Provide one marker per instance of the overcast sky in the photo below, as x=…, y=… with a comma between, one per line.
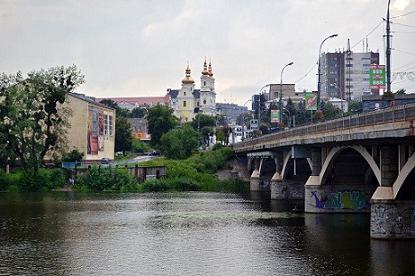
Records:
x=140, y=48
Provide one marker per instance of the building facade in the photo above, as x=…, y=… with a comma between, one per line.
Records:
x=231, y=112
x=92, y=128
x=132, y=102
x=188, y=101
x=139, y=128
x=345, y=75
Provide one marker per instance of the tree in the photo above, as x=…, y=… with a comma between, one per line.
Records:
x=123, y=138
x=160, y=120
x=73, y=156
x=401, y=92
x=203, y=120
x=331, y=112
x=33, y=116
x=118, y=110
x=137, y=112
x=355, y=107
x=179, y=143
x=205, y=133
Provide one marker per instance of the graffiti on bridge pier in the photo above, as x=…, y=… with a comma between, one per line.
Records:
x=341, y=200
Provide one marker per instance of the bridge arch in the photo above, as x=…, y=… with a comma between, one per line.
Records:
x=334, y=153
x=402, y=180
x=286, y=161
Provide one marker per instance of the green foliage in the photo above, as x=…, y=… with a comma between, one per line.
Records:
x=73, y=156
x=401, y=91
x=140, y=146
x=137, y=112
x=33, y=119
x=179, y=143
x=104, y=179
x=194, y=174
x=160, y=120
x=31, y=181
x=203, y=120
x=123, y=138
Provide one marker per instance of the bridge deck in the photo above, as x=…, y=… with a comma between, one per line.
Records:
x=397, y=121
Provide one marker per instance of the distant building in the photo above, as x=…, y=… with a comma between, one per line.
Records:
x=288, y=90
x=92, y=128
x=188, y=101
x=132, y=102
x=345, y=75
x=340, y=104
x=139, y=128
x=230, y=111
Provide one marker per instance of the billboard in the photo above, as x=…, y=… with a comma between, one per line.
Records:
x=377, y=77
x=275, y=116
x=95, y=131
x=310, y=99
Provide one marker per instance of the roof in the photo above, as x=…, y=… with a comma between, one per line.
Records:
x=90, y=100
x=173, y=93
x=138, y=101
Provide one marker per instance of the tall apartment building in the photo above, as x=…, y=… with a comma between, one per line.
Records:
x=345, y=75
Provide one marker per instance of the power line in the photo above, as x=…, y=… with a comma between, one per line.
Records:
x=410, y=63
x=369, y=33
x=405, y=52
x=405, y=14
x=404, y=25
x=306, y=74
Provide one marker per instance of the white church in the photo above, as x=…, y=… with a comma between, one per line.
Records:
x=187, y=102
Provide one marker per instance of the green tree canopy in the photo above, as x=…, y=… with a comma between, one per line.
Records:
x=203, y=120
x=123, y=138
x=179, y=143
x=33, y=117
x=160, y=120
x=137, y=112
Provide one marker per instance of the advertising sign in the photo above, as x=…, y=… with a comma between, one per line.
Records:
x=310, y=99
x=275, y=116
x=377, y=77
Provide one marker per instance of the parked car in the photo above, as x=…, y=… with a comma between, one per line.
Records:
x=105, y=161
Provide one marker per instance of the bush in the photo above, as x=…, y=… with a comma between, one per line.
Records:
x=179, y=143
x=105, y=179
x=140, y=146
x=9, y=180
x=45, y=179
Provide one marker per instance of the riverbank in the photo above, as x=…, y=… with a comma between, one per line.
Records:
x=197, y=173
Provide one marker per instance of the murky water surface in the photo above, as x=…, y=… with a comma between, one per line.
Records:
x=187, y=234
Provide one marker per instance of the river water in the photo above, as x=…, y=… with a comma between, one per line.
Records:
x=187, y=234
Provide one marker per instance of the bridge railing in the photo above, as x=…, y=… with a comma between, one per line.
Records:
x=387, y=115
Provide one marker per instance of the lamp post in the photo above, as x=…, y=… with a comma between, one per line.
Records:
x=388, y=50
x=243, y=120
x=319, y=69
x=280, y=101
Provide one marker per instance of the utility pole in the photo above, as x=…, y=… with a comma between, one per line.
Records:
x=388, y=50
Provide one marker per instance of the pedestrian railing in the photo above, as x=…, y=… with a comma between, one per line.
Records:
x=387, y=115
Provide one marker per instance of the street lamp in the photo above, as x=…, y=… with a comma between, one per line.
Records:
x=319, y=69
x=280, y=101
x=243, y=120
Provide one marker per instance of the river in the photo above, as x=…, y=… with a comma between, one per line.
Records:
x=187, y=234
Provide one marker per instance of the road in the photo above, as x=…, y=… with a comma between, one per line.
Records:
x=135, y=160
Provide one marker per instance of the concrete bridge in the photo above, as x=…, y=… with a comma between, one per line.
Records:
x=361, y=163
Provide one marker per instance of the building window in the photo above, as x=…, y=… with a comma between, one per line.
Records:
x=349, y=65
x=204, y=101
x=184, y=103
x=197, y=103
x=106, y=123
x=184, y=93
x=204, y=83
x=110, y=124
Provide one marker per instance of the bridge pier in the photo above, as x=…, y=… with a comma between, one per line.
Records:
x=393, y=205
x=254, y=181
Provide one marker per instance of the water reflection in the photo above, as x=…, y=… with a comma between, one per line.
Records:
x=187, y=234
